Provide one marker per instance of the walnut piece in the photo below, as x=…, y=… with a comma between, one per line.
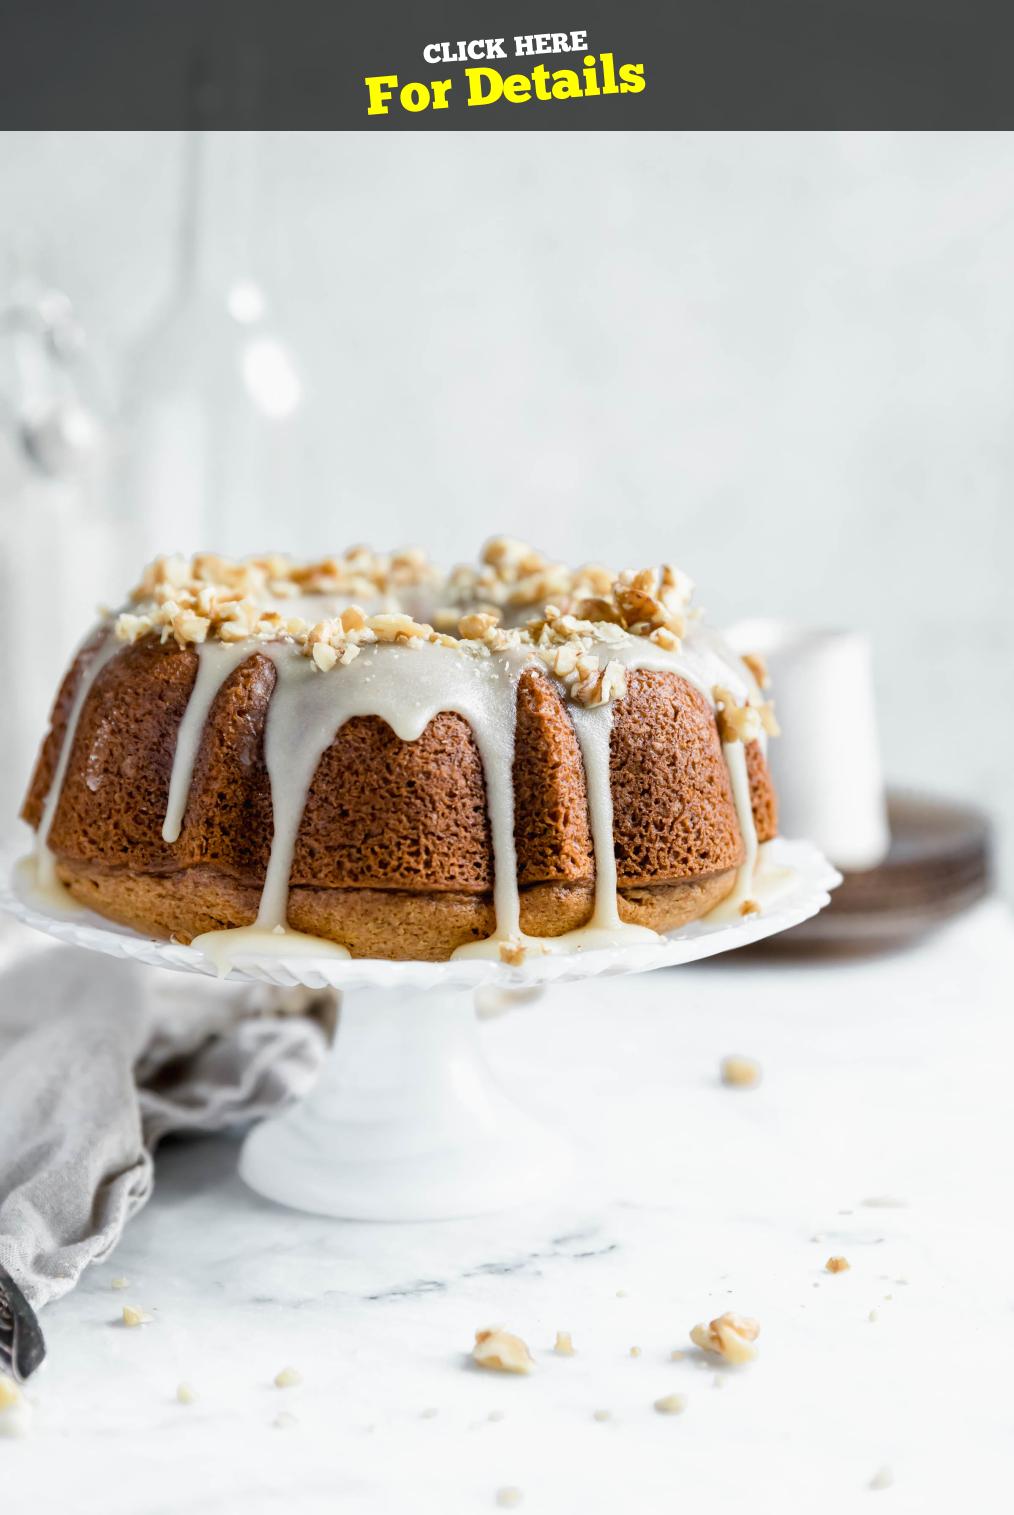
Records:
x=288, y=1378
x=564, y=1345
x=740, y=1072
x=132, y=1316
x=730, y=1336
x=671, y=1404
x=759, y=668
x=502, y=1351
x=837, y=1265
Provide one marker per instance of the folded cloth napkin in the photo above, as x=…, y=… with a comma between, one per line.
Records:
x=99, y=1059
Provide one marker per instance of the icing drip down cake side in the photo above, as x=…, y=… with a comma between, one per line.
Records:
x=393, y=762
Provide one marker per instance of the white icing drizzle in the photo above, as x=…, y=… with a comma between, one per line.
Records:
x=46, y=881
x=730, y=907
x=407, y=687
x=216, y=661
x=594, y=728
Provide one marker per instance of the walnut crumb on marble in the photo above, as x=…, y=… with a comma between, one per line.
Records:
x=132, y=1316
x=564, y=1345
x=837, y=1265
x=739, y=1072
x=15, y=1412
x=671, y=1404
x=730, y=1336
x=288, y=1378
x=502, y=1351
x=185, y=1394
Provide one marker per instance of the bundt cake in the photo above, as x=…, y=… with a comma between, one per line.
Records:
x=509, y=758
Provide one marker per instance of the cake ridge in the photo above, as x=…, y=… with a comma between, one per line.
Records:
x=405, y=671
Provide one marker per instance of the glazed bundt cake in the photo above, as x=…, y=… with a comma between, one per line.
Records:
x=506, y=759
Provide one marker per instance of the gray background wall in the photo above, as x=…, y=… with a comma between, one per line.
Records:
x=783, y=360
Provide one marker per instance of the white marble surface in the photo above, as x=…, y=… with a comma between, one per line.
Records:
x=886, y=1078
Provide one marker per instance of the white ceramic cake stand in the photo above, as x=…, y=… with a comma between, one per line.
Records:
x=406, y=1121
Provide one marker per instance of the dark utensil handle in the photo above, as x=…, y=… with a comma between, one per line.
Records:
x=22, y=1346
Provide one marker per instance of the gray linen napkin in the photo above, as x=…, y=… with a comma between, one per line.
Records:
x=99, y=1059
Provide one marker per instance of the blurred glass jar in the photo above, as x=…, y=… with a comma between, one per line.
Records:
x=207, y=447
x=56, y=561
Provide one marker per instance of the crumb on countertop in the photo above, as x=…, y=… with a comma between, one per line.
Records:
x=730, y=1336
x=671, y=1404
x=739, y=1072
x=502, y=1351
x=837, y=1265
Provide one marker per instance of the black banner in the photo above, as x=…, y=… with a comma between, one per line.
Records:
x=571, y=65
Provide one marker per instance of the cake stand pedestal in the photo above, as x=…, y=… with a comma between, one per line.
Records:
x=406, y=1121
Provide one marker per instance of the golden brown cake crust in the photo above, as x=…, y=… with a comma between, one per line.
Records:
x=391, y=828
x=389, y=923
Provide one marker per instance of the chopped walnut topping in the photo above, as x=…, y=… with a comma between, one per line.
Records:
x=563, y=1346
x=324, y=656
x=742, y=723
x=671, y=1404
x=837, y=1265
x=749, y=907
x=759, y=668
x=477, y=626
x=740, y=1072
x=513, y=953
x=577, y=614
x=499, y=1349
x=730, y=1336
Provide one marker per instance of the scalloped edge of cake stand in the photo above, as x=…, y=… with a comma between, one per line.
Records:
x=407, y=1122
x=803, y=897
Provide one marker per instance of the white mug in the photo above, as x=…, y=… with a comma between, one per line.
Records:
x=826, y=763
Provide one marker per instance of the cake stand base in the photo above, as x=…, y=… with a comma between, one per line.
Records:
x=406, y=1122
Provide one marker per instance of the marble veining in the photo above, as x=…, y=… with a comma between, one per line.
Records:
x=886, y=1078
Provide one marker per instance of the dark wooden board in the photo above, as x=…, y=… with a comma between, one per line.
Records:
x=938, y=865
